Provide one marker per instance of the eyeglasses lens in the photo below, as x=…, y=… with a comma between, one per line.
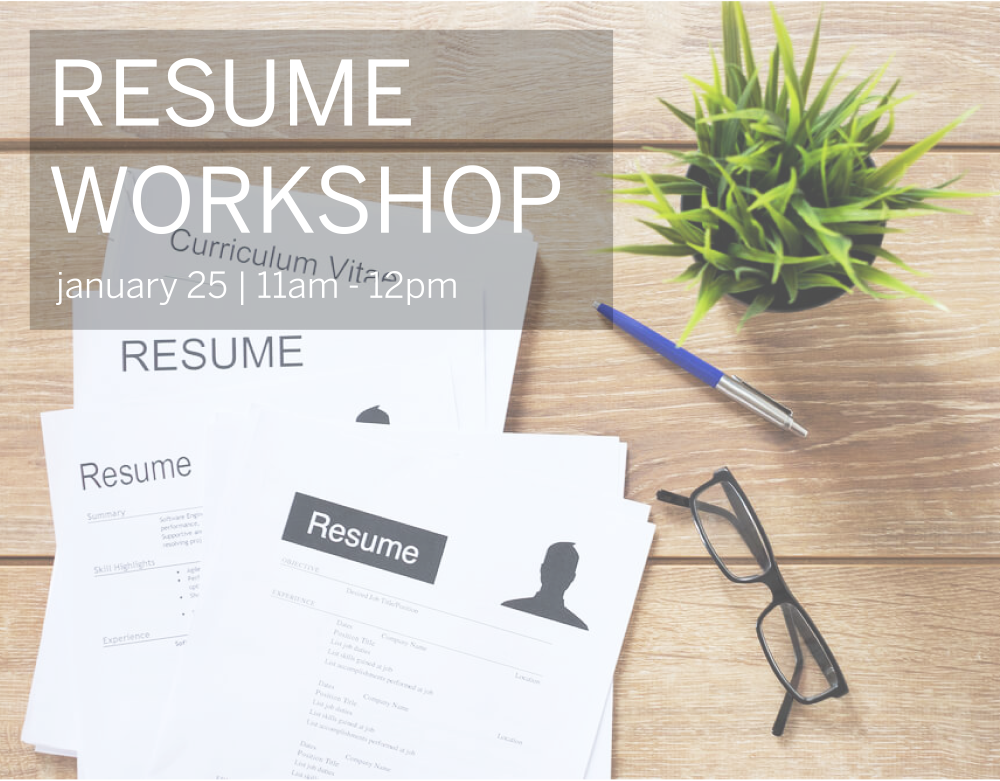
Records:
x=730, y=531
x=798, y=654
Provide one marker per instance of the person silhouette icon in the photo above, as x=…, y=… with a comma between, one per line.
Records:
x=557, y=574
x=373, y=415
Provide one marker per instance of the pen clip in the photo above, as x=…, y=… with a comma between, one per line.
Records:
x=762, y=395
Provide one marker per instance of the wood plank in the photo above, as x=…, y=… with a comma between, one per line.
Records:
x=23, y=591
x=694, y=695
x=901, y=400
x=37, y=375
x=918, y=645
x=949, y=59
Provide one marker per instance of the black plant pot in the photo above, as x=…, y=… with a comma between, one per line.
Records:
x=806, y=299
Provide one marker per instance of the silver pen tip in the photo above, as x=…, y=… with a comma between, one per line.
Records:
x=795, y=428
x=595, y=304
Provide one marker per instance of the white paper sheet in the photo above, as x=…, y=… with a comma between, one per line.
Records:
x=492, y=297
x=598, y=463
x=103, y=375
x=275, y=707
x=50, y=722
x=124, y=546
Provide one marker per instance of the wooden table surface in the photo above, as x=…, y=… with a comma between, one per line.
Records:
x=886, y=519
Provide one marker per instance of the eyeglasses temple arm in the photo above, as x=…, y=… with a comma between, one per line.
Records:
x=779, y=723
x=745, y=527
x=786, y=704
x=683, y=501
x=813, y=644
x=671, y=498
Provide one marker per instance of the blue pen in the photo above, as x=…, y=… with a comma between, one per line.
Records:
x=731, y=385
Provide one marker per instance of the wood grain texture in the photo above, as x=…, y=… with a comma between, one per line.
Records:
x=694, y=696
x=918, y=645
x=36, y=375
x=902, y=401
x=947, y=57
x=23, y=591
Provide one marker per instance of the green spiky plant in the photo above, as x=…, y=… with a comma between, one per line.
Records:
x=781, y=193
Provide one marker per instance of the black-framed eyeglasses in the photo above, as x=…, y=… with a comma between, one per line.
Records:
x=795, y=649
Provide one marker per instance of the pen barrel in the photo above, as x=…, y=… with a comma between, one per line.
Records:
x=692, y=364
x=678, y=355
x=733, y=387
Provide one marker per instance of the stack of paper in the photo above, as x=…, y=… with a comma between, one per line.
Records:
x=253, y=580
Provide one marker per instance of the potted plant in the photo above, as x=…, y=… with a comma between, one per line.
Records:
x=782, y=205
